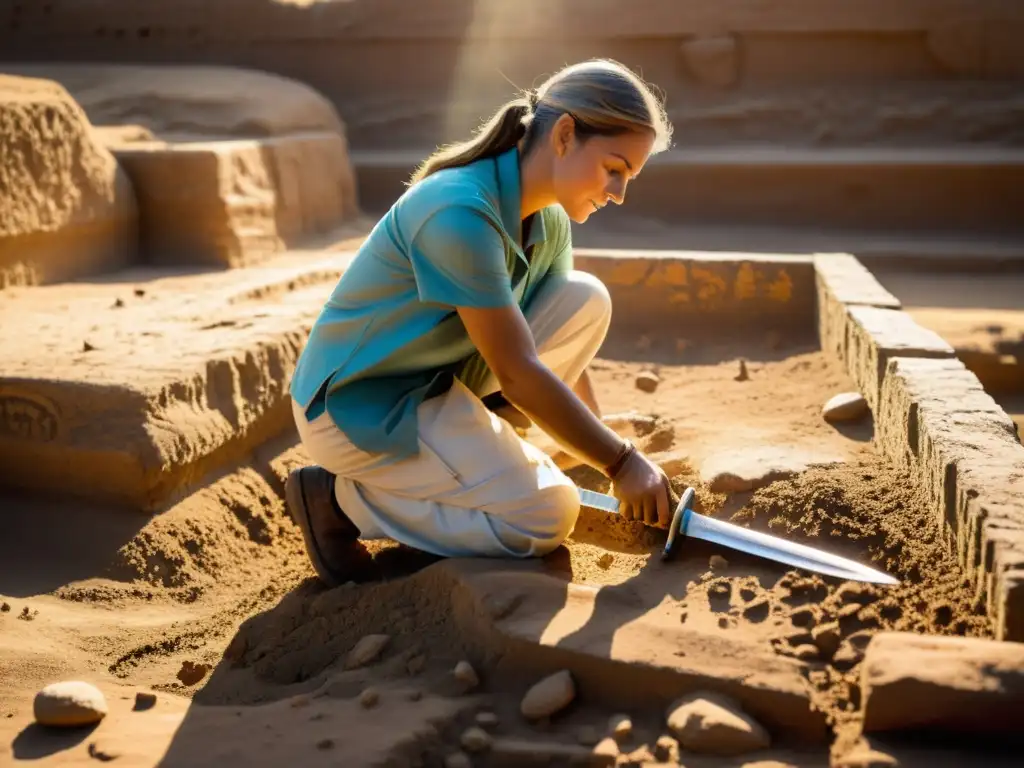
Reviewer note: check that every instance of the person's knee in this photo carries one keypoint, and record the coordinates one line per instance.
(592, 298)
(560, 508)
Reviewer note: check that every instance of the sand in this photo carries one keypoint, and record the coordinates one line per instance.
(214, 600)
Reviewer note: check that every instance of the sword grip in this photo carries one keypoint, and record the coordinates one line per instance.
(680, 519)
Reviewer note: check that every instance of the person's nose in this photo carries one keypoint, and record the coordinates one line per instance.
(616, 192)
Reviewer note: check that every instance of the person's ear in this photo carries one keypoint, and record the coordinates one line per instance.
(563, 135)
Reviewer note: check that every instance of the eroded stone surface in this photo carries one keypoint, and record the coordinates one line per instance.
(233, 203)
(712, 60)
(548, 696)
(876, 335)
(186, 374)
(935, 417)
(948, 684)
(68, 208)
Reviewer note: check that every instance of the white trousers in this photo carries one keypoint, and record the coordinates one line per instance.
(475, 488)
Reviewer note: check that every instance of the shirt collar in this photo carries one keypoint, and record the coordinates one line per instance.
(510, 202)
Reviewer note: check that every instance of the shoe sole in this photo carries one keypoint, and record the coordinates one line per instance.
(296, 500)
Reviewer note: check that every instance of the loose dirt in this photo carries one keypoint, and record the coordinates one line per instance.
(214, 600)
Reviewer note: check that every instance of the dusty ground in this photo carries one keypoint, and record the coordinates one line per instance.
(214, 600)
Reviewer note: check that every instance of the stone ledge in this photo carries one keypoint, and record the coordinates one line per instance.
(235, 202)
(177, 382)
(935, 417)
(736, 289)
(953, 684)
(841, 280)
(875, 335)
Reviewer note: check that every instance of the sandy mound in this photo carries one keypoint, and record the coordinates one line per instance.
(175, 103)
(68, 209)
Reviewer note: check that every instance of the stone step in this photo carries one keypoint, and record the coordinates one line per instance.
(131, 389)
(956, 190)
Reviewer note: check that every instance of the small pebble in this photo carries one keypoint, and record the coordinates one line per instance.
(69, 703)
(144, 700)
(723, 622)
(416, 664)
(605, 561)
(475, 740)
(548, 696)
(369, 698)
(87, 347)
(5, 607)
(366, 651)
(620, 726)
(718, 563)
(487, 720)
(666, 749)
(457, 760)
(743, 375)
(647, 381)
(466, 675)
(140, 292)
(847, 406)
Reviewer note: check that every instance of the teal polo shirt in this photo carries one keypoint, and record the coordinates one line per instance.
(389, 335)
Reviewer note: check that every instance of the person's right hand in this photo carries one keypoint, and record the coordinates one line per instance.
(643, 491)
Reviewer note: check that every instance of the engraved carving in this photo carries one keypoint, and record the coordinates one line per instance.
(27, 417)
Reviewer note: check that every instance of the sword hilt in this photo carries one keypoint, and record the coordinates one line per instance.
(680, 521)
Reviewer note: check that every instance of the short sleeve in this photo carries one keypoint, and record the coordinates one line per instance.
(458, 259)
(560, 235)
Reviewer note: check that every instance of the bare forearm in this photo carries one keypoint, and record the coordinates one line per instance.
(553, 406)
(584, 389)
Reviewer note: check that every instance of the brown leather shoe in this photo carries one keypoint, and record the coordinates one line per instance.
(331, 538)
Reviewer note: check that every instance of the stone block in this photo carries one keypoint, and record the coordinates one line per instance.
(913, 682)
(68, 208)
(875, 335)
(935, 417)
(233, 203)
(841, 279)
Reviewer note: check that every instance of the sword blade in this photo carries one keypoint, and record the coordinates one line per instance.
(756, 543)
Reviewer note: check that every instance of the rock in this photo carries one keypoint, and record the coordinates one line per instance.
(466, 676)
(942, 684)
(748, 469)
(846, 406)
(862, 757)
(805, 652)
(191, 673)
(69, 703)
(5, 607)
(647, 381)
(366, 651)
(743, 375)
(718, 563)
(606, 749)
(620, 726)
(458, 760)
(712, 60)
(416, 664)
(826, 638)
(548, 696)
(486, 719)
(475, 740)
(714, 724)
(588, 735)
(666, 749)
(606, 560)
(369, 698)
(144, 700)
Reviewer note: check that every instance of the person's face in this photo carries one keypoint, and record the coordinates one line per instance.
(590, 174)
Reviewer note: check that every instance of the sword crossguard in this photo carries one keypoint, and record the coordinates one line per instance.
(680, 521)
